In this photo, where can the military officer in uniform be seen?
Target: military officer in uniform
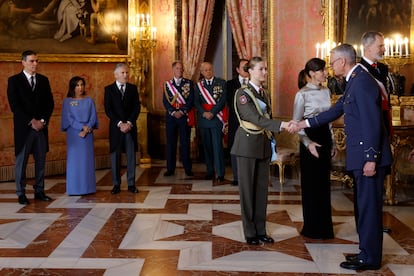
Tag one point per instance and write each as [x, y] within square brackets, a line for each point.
[178, 100]
[368, 151]
[252, 147]
[210, 100]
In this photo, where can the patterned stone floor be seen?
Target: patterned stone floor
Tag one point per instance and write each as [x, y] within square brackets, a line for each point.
[183, 226]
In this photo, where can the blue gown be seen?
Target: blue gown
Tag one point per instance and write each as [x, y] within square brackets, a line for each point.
[80, 164]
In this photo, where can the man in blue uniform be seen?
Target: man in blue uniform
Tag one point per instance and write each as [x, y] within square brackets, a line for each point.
[368, 152]
[178, 100]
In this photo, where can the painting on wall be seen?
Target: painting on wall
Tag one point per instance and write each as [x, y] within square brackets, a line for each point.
[64, 29]
[387, 16]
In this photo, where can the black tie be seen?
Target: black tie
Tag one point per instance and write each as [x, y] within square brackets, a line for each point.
[122, 90]
[32, 83]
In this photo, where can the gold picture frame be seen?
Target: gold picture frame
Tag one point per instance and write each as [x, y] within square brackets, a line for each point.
[349, 19]
[36, 30]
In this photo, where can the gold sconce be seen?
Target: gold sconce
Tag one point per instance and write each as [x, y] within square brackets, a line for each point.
[143, 41]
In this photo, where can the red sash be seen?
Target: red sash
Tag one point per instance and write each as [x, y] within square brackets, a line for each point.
[221, 115]
[180, 102]
[179, 98]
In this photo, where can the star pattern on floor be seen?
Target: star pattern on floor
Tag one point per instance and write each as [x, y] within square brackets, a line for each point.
[178, 224]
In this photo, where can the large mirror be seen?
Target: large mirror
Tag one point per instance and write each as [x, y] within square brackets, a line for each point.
[346, 21]
[349, 19]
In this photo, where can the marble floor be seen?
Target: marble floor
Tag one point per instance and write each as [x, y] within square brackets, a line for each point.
[182, 225]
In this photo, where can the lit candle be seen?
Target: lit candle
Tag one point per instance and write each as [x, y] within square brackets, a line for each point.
[386, 44]
[148, 19]
[137, 18]
[406, 46]
[391, 47]
[400, 43]
[323, 51]
[318, 45]
[362, 50]
[154, 33]
[142, 22]
[134, 32]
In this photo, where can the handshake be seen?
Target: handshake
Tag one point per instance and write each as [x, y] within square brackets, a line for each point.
[293, 126]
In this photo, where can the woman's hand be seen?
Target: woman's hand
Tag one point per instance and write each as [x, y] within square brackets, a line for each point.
[312, 148]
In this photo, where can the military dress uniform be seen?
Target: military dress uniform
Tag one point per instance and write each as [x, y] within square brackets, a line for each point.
[366, 141]
[179, 97]
[212, 98]
[252, 146]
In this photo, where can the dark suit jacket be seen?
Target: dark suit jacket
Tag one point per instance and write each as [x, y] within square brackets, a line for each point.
[232, 86]
[366, 137]
[27, 104]
[252, 145]
[382, 75]
[118, 109]
[219, 85]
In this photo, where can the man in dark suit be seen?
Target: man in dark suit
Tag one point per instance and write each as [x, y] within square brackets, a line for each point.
[232, 86]
[122, 106]
[178, 100]
[374, 48]
[210, 100]
[31, 101]
[368, 152]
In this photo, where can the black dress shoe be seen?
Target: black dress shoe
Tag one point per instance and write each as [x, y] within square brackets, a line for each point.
[116, 190]
[168, 173]
[265, 239]
[189, 173]
[359, 265]
[352, 257]
[23, 200]
[133, 190]
[234, 183]
[208, 177]
[253, 241]
[42, 196]
[220, 178]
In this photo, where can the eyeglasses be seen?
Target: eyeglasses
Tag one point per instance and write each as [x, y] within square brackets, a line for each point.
[333, 62]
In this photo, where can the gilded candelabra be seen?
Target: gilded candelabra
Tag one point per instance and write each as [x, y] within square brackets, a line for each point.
[142, 43]
[395, 62]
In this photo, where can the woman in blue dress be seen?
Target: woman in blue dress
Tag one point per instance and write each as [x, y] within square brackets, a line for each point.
[78, 121]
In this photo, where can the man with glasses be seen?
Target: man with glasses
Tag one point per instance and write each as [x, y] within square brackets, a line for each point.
[368, 152]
